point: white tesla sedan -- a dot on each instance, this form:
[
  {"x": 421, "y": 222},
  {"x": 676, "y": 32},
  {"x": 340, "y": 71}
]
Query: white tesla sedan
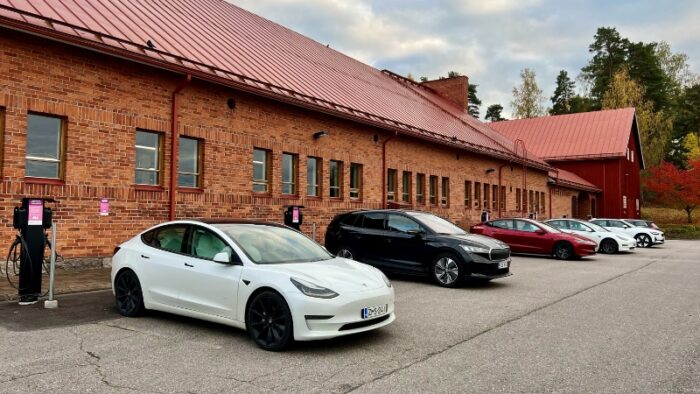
[
  {"x": 608, "y": 242},
  {"x": 266, "y": 278},
  {"x": 646, "y": 237}
]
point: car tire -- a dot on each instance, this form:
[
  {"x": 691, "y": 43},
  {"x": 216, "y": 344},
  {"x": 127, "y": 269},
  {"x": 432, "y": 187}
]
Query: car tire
[
  {"x": 564, "y": 251},
  {"x": 346, "y": 252},
  {"x": 643, "y": 240},
  {"x": 269, "y": 321},
  {"x": 446, "y": 270},
  {"x": 128, "y": 295},
  {"x": 608, "y": 246}
]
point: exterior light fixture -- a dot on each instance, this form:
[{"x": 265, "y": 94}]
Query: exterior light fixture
[{"x": 320, "y": 134}]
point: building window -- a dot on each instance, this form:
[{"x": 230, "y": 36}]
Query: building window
[
  {"x": 261, "y": 170},
  {"x": 632, "y": 155},
  {"x": 537, "y": 202},
  {"x": 445, "y": 193},
  {"x": 636, "y": 201},
  {"x": 487, "y": 195},
  {"x": 624, "y": 202},
  {"x": 517, "y": 199},
  {"x": 530, "y": 202},
  {"x": 289, "y": 173},
  {"x": 313, "y": 174},
  {"x": 45, "y": 135},
  {"x": 148, "y": 157},
  {"x": 2, "y": 136},
  {"x": 433, "y": 189},
  {"x": 477, "y": 195},
  {"x": 355, "y": 181},
  {"x": 391, "y": 185},
  {"x": 468, "y": 194},
  {"x": 335, "y": 169},
  {"x": 189, "y": 163},
  {"x": 544, "y": 205},
  {"x": 420, "y": 188},
  {"x": 503, "y": 198},
  {"x": 406, "y": 187},
  {"x": 494, "y": 197}
]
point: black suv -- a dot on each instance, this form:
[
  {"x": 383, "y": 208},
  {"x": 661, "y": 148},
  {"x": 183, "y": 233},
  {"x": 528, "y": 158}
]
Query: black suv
[{"x": 418, "y": 243}]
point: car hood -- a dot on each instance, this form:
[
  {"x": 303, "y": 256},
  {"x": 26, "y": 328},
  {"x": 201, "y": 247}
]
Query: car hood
[
  {"x": 338, "y": 274},
  {"x": 477, "y": 240}
]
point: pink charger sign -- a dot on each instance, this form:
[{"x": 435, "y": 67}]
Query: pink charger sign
[
  {"x": 36, "y": 213},
  {"x": 104, "y": 207}
]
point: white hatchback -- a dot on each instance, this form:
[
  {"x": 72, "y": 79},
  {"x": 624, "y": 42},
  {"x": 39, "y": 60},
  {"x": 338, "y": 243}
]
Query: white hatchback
[
  {"x": 646, "y": 237},
  {"x": 608, "y": 241},
  {"x": 266, "y": 278}
]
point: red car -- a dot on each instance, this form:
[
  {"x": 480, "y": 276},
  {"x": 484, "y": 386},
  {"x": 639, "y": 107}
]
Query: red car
[{"x": 532, "y": 237}]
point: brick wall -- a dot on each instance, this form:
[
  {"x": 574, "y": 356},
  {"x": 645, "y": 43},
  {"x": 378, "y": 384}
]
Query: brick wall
[{"x": 104, "y": 101}]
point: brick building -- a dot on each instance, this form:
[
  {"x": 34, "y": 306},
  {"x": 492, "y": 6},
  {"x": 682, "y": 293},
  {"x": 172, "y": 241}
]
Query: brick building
[
  {"x": 602, "y": 147},
  {"x": 169, "y": 112}
]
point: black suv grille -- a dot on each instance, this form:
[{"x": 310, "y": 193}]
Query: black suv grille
[{"x": 499, "y": 254}]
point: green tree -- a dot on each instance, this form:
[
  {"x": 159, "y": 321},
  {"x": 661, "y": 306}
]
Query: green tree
[
  {"x": 644, "y": 67},
  {"x": 563, "y": 94},
  {"x": 474, "y": 101},
  {"x": 527, "y": 98},
  {"x": 609, "y": 54},
  {"x": 654, "y": 126},
  {"x": 493, "y": 113},
  {"x": 676, "y": 67}
]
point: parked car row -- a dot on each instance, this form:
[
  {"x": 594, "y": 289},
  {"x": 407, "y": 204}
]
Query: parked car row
[{"x": 281, "y": 286}]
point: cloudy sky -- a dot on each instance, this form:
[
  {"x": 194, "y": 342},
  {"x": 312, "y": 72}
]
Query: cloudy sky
[{"x": 488, "y": 40}]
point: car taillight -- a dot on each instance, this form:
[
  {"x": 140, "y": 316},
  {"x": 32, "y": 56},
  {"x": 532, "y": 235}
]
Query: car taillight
[{"x": 116, "y": 249}]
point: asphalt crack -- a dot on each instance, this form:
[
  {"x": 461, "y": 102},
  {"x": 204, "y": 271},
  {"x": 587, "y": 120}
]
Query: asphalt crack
[
  {"x": 432, "y": 354},
  {"x": 23, "y": 376}
]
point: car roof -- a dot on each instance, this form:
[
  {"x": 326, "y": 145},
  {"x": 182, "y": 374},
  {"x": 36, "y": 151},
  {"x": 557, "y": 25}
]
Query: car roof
[
  {"x": 225, "y": 221},
  {"x": 387, "y": 211}
]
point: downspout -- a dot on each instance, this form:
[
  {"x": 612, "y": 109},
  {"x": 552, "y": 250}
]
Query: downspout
[
  {"x": 500, "y": 180},
  {"x": 384, "y": 200},
  {"x": 174, "y": 145}
]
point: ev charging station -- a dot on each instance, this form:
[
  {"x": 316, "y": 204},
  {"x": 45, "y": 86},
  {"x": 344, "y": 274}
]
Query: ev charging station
[
  {"x": 293, "y": 216},
  {"x": 32, "y": 218}
]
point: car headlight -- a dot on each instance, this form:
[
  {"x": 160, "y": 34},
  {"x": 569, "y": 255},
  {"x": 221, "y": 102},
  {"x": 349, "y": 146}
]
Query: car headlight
[
  {"x": 386, "y": 280},
  {"x": 312, "y": 290},
  {"x": 474, "y": 249},
  {"x": 655, "y": 233}
]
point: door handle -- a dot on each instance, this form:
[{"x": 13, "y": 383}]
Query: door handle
[
  {"x": 143, "y": 256},
  {"x": 188, "y": 265}
]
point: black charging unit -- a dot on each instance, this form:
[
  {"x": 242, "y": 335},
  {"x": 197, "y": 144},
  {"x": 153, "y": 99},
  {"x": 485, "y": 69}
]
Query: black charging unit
[
  {"x": 293, "y": 216},
  {"x": 32, "y": 218}
]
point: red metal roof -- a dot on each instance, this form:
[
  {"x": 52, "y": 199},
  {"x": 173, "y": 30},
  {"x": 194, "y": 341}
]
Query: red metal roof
[
  {"x": 216, "y": 41},
  {"x": 569, "y": 179},
  {"x": 575, "y": 136}
]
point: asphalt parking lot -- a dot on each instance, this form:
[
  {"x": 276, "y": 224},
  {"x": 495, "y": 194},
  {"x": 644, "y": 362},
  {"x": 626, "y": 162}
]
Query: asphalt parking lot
[{"x": 624, "y": 323}]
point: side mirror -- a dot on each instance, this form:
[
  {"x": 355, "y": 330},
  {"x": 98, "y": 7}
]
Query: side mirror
[
  {"x": 415, "y": 233},
  {"x": 222, "y": 257}
]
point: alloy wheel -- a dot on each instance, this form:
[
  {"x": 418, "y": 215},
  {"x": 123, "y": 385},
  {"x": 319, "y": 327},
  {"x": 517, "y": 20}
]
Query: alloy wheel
[
  {"x": 608, "y": 246},
  {"x": 446, "y": 271},
  {"x": 269, "y": 321},
  {"x": 563, "y": 251},
  {"x": 643, "y": 241},
  {"x": 128, "y": 295}
]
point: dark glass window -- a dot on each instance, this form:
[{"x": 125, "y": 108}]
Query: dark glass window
[
  {"x": 313, "y": 174},
  {"x": 171, "y": 238},
  {"x": 148, "y": 155},
  {"x": 189, "y": 163},
  {"x": 336, "y": 178},
  {"x": 261, "y": 170},
  {"x": 420, "y": 188},
  {"x": 374, "y": 221},
  {"x": 289, "y": 173},
  {"x": 401, "y": 223},
  {"x": 355, "y": 181},
  {"x": 391, "y": 185},
  {"x": 44, "y": 153}
]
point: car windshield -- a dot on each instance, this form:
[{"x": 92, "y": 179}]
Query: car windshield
[
  {"x": 437, "y": 224},
  {"x": 596, "y": 227},
  {"x": 549, "y": 228},
  {"x": 265, "y": 244}
]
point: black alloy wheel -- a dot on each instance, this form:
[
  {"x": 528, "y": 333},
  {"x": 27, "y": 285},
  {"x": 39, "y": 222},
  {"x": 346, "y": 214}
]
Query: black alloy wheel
[
  {"x": 643, "y": 240},
  {"x": 608, "y": 246},
  {"x": 564, "y": 251},
  {"x": 128, "y": 295},
  {"x": 446, "y": 270},
  {"x": 269, "y": 321},
  {"x": 345, "y": 252}
]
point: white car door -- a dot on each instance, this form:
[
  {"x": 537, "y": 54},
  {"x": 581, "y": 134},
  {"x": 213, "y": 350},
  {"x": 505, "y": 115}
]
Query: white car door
[
  {"x": 162, "y": 264},
  {"x": 211, "y": 287}
]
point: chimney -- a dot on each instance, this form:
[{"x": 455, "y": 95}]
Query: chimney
[{"x": 455, "y": 89}]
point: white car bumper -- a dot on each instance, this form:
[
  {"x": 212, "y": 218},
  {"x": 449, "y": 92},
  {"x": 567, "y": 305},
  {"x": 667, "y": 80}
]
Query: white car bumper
[
  {"x": 658, "y": 239},
  {"x": 626, "y": 246},
  {"x": 316, "y": 318}
]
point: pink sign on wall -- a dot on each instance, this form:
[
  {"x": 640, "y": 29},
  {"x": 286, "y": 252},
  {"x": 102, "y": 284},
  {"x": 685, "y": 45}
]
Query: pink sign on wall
[
  {"x": 104, "y": 207},
  {"x": 36, "y": 213},
  {"x": 295, "y": 215}
]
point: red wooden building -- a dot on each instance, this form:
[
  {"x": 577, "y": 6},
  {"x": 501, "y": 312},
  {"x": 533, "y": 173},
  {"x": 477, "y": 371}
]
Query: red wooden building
[{"x": 602, "y": 147}]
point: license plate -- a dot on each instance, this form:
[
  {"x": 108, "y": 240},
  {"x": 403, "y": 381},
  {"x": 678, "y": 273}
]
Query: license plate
[
  {"x": 503, "y": 264},
  {"x": 374, "y": 311}
]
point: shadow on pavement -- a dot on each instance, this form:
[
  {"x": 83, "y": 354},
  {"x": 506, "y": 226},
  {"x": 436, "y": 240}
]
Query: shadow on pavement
[{"x": 73, "y": 309}]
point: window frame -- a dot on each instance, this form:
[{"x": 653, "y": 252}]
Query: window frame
[
  {"x": 318, "y": 174},
  {"x": 502, "y": 198},
  {"x": 159, "y": 158},
  {"x": 445, "y": 191},
  {"x": 477, "y": 195},
  {"x": 468, "y": 194},
  {"x": 267, "y": 171},
  {"x": 294, "y": 182},
  {"x": 406, "y": 186},
  {"x": 200, "y": 162},
  {"x": 391, "y": 184},
  {"x": 420, "y": 188},
  {"x": 494, "y": 197},
  {"x": 518, "y": 199},
  {"x": 358, "y": 188},
  {"x": 433, "y": 186},
  {"x": 486, "y": 196},
  {"x": 2, "y": 140},
  {"x": 190, "y": 245},
  {"x": 339, "y": 184},
  {"x": 61, "y": 145}
]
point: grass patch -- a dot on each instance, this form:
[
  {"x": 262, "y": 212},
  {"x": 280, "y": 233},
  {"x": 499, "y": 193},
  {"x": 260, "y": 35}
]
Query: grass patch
[
  {"x": 681, "y": 231},
  {"x": 674, "y": 222}
]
